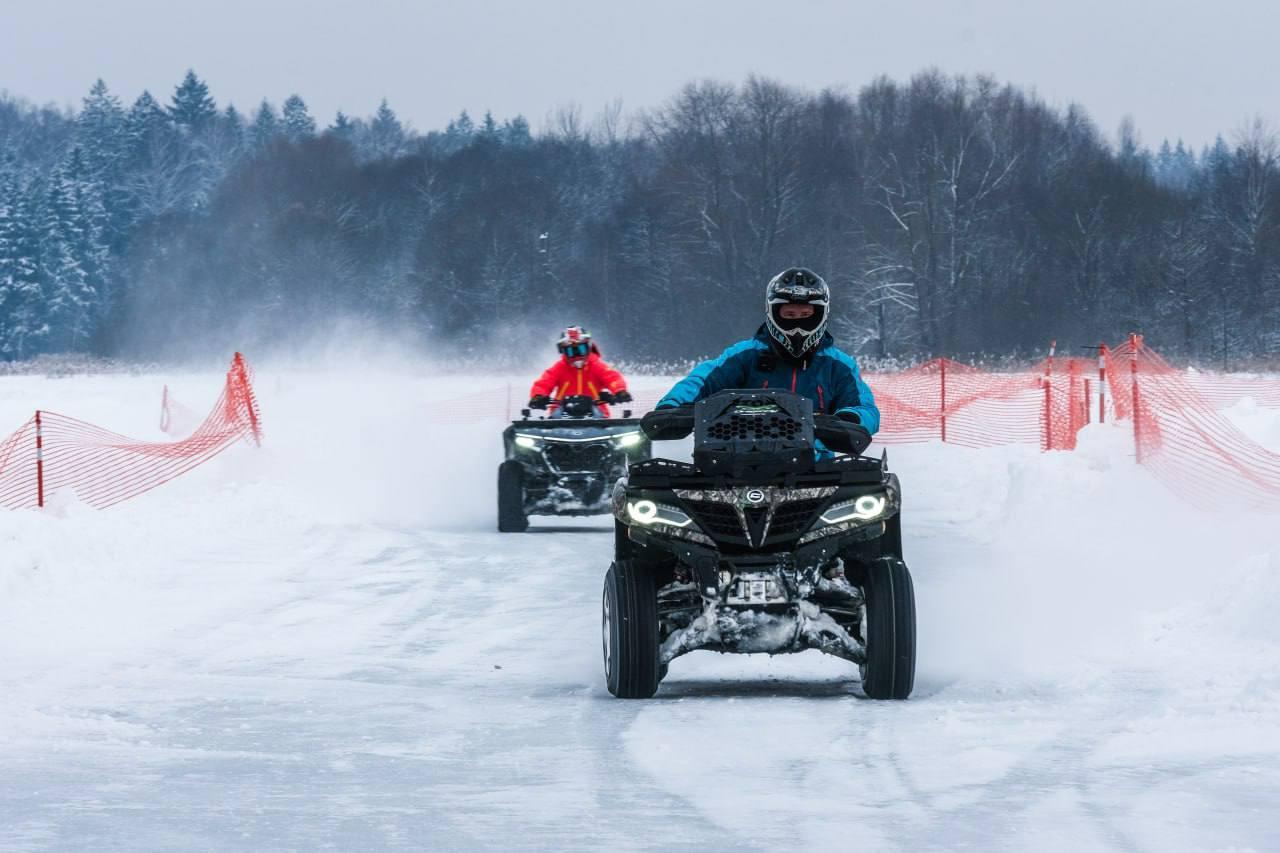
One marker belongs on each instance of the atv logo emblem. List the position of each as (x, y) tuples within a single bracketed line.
[(749, 409), (755, 496)]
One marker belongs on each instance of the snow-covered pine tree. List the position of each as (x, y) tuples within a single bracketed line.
[(73, 257), (1164, 164), (1184, 165), (265, 126), (298, 123), (231, 128), (386, 134), (145, 123), (459, 131), (22, 305), (192, 106), (516, 131), (100, 132), (343, 127)]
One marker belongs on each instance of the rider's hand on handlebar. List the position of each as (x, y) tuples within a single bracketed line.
[(606, 396), (623, 396), (539, 401), (668, 423)]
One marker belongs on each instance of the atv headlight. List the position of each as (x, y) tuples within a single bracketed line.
[(629, 439), (647, 512), (527, 441), (861, 508)]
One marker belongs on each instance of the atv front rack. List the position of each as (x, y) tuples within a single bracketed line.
[(841, 471)]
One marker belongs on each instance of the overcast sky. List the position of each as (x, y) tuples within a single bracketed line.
[(1180, 69)]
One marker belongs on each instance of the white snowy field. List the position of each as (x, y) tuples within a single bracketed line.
[(323, 644)]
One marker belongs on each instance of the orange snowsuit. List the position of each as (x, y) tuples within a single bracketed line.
[(562, 380)]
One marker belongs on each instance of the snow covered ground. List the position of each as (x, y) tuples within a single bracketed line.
[(323, 644)]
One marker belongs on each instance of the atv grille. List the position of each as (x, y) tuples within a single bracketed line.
[(578, 457), (720, 520), (793, 518)]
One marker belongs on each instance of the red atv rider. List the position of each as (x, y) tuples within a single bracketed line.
[(579, 372)]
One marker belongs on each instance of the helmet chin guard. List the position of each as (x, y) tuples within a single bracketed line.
[(797, 286)]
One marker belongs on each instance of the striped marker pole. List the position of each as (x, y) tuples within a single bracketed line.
[(39, 461), (1102, 383), (942, 363)]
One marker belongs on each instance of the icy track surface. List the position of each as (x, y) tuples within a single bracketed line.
[(323, 644)]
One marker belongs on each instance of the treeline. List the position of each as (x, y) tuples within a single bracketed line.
[(951, 215)]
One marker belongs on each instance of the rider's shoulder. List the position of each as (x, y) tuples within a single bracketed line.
[(828, 349), (748, 345)]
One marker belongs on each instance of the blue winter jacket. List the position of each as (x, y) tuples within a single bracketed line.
[(829, 377)]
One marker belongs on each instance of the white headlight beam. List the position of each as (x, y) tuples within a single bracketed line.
[(863, 508), (647, 512)]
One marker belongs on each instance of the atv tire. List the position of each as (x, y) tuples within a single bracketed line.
[(511, 515), (629, 628), (890, 630)]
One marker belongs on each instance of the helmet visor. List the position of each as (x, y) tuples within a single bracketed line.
[(791, 325)]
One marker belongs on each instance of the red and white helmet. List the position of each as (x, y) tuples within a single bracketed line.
[(575, 345)]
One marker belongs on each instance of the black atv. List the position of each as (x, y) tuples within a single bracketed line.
[(565, 464), (760, 545)]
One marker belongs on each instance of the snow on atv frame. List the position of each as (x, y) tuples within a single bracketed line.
[(565, 464), (758, 546)]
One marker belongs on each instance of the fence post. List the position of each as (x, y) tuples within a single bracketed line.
[(943, 405), (39, 461), (1088, 402), (1048, 396), (1134, 342), (164, 410), (1048, 414), (1073, 405), (241, 372), (1102, 383)]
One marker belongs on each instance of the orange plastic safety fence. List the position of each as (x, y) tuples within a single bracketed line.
[(53, 452), (1181, 437), (1179, 433)]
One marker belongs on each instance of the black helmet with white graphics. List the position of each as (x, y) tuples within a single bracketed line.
[(796, 330)]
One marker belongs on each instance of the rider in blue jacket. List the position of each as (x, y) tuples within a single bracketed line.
[(792, 351)]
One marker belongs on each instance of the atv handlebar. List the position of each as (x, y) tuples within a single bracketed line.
[(670, 423), (840, 435), (579, 405)]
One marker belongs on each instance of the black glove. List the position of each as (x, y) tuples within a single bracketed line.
[(841, 433), (851, 417), (861, 441), (539, 401), (668, 423), (606, 396), (623, 396)]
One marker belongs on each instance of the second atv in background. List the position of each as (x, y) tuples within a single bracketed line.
[(567, 462), (565, 465)]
